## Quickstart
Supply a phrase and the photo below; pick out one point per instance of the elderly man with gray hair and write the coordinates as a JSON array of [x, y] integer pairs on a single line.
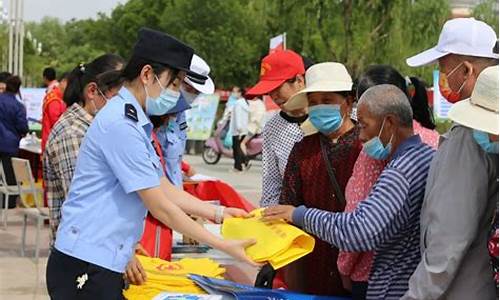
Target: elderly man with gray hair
[[388, 221]]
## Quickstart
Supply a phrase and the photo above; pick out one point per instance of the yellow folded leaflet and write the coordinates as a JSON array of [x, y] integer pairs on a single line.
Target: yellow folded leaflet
[[171, 276], [278, 242]]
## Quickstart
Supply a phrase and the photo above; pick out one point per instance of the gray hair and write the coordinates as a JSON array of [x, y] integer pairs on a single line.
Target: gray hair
[[384, 99]]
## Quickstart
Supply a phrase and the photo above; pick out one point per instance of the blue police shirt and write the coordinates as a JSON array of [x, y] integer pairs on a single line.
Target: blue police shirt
[[103, 215], [182, 123], [173, 143]]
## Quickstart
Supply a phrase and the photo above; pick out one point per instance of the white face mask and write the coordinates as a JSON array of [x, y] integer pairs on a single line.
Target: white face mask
[[163, 103], [102, 95], [96, 110]]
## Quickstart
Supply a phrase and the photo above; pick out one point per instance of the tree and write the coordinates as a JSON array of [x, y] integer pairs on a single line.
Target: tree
[[233, 35], [226, 34], [126, 19], [359, 33], [64, 46], [487, 11]]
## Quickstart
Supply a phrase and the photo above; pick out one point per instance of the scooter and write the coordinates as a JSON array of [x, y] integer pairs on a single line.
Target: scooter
[[214, 147]]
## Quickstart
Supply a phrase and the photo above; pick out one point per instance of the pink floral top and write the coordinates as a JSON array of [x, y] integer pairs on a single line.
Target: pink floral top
[[357, 265], [428, 136]]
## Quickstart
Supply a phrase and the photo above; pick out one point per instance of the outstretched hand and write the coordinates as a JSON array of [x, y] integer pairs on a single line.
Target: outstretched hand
[[278, 212]]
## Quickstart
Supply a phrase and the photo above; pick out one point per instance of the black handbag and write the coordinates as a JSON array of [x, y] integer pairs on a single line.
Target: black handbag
[[265, 277]]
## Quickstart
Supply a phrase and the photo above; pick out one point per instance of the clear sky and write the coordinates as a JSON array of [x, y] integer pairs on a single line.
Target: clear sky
[[35, 10]]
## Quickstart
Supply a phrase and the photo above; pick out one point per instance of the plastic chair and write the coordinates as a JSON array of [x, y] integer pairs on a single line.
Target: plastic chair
[[7, 191], [23, 173]]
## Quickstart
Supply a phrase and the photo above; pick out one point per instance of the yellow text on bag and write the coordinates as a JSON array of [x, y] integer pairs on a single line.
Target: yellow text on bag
[[278, 242]]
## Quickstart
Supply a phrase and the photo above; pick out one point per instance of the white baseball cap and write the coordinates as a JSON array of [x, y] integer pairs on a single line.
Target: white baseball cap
[[322, 77], [463, 36], [481, 110], [199, 66]]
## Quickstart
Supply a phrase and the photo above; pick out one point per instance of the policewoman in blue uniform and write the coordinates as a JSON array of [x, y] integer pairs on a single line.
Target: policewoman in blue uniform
[[118, 178], [173, 135]]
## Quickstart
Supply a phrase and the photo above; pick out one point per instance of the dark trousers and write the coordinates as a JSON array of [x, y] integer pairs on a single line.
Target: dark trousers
[[359, 289], [9, 177], [63, 272], [239, 157]]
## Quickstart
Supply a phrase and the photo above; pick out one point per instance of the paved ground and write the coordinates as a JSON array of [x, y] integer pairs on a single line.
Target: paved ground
[[23, 279]]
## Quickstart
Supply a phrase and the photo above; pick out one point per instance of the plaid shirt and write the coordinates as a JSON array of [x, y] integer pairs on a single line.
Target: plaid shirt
[[59, 159]]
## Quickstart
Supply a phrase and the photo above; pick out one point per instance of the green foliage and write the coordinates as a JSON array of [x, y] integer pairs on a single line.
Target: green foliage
[[223, 32], [233, 35], [442, 126], [487, 11]]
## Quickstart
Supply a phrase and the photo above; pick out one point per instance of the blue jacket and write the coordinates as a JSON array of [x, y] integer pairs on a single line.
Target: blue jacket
[[13, 123]]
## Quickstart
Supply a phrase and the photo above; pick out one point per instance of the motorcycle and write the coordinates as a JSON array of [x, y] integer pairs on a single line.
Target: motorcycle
[[214, 147]]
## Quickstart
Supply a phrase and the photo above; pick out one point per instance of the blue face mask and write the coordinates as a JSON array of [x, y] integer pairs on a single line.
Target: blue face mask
[[190, 97], [483, 140], [375, 149], [231, 100], [162, 104], [327, 118]]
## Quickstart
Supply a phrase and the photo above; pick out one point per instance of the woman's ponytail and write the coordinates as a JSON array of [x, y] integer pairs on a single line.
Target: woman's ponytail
[[422, 113]]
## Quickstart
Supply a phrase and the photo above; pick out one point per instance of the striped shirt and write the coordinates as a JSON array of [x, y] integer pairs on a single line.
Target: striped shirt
[[59, 159], [387, 222]]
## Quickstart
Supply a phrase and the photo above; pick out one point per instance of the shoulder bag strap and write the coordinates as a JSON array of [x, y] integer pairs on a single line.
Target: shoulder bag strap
[[339, 195]]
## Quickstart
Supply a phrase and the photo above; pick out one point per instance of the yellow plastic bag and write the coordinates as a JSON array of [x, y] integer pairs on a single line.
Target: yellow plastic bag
[[158, 267], [278, 242], [168, 276]]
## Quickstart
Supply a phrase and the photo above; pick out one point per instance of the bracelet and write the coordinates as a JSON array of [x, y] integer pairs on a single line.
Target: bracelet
[[219, 214]]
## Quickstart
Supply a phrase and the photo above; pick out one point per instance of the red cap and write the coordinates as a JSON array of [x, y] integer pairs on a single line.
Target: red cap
[[276, 68]]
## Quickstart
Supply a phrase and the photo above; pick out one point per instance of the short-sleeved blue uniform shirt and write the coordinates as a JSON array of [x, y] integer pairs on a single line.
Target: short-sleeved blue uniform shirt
[[172, 137], [103, 216]]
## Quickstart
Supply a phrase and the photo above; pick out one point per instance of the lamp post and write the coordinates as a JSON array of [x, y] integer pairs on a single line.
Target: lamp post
[[21, 38], [4, 17], [16, 37]]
